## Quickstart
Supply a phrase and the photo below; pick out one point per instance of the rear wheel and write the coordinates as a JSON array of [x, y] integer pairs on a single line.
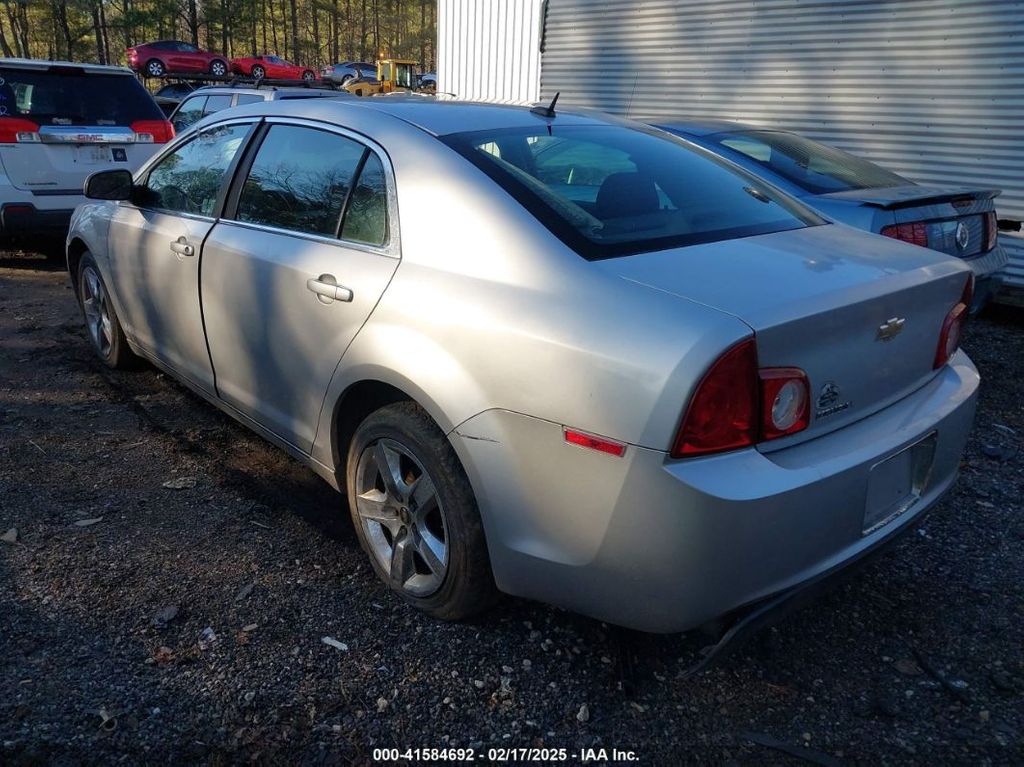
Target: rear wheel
[[218, 68], [415, 513], [155, 68], [309, 76], [258, 72], [101, 321]]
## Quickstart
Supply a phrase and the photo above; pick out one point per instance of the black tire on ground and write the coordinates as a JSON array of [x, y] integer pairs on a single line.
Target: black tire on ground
[[468, 584], [218, 68], [155, 68], [112, 346], [258, 72]]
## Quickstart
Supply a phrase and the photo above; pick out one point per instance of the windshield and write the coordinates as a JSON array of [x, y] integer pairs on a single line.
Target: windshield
[[611, 190], [818, 168], [69, 96]]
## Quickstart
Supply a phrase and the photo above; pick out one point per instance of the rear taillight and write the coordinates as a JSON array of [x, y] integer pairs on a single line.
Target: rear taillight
[[722, 414], [991, 230], [737, 405], [152, 131], [785, 402], [953, 326], [915, 233], [14, 130]]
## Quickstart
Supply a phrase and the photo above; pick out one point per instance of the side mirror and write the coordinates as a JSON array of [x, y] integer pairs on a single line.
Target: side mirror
[[109, 185]]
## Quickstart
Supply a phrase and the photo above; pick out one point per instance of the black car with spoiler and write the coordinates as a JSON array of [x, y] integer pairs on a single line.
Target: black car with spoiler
[[958, 221]]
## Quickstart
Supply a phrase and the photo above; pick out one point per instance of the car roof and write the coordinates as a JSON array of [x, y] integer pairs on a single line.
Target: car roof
[[39, 64], [273, 91], [700, 126], [441, 117]]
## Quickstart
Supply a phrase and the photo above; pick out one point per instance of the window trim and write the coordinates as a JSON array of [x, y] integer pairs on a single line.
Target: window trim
[[391, 246]]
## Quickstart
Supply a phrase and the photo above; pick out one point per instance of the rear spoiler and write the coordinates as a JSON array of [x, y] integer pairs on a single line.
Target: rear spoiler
[[928, 198]]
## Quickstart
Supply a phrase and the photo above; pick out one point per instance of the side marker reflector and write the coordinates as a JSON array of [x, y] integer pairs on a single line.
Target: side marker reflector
[[594, 442]]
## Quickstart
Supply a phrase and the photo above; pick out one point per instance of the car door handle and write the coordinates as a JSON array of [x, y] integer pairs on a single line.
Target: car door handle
[[182, 248], [327, 289]]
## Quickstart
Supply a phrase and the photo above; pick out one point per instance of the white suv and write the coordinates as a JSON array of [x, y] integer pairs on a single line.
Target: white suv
[[60, 122]]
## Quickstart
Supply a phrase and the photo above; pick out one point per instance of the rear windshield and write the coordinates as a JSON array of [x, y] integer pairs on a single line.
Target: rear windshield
[[818, 168], [69, 96], [612, 190]]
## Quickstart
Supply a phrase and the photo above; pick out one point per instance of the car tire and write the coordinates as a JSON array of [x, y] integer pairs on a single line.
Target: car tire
[[258, 72], [308, 76], [421, 529], [155, 68], [101, 322], [218, 68], [346, 80]]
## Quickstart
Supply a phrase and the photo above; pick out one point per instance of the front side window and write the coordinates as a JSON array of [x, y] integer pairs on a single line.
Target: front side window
[[300, 180], [612, 190], [188, 180], [189, 112], [815, 167]]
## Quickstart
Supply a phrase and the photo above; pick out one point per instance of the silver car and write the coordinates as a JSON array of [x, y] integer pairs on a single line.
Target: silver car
[[619, 374]]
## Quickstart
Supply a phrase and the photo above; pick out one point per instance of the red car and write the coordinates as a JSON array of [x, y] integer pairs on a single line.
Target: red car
[[271, 66], [163, 56]]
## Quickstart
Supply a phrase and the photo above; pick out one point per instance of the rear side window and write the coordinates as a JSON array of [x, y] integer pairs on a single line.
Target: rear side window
[[71, 96], [300, 180], [247, 98], [815, 167], [215, 104], [188, 180], [610, 190], [189, 113], [366, 218]]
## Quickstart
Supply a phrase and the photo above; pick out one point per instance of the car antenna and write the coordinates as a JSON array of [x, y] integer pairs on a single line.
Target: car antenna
[[549, 110]]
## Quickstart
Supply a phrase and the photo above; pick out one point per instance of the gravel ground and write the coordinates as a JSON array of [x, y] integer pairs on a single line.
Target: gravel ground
[[174, 576]]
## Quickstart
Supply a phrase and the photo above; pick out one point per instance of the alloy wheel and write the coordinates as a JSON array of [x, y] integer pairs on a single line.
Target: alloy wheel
[[403, 518], [97, 313], [258, 72], [155, 68], [218, 68]]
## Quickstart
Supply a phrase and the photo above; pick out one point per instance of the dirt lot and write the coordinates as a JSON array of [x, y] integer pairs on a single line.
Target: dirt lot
[[173, 578]]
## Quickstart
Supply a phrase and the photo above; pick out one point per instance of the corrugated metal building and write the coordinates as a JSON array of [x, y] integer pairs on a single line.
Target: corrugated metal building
[[933, 89]]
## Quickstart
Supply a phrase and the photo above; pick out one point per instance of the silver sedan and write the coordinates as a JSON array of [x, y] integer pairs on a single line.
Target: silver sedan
[[550, 354]]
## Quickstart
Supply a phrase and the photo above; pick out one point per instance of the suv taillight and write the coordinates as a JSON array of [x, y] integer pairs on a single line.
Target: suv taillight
[[991, 230], [152, 131], [915, 233], [953, 326], [737, 405], [14, 130]]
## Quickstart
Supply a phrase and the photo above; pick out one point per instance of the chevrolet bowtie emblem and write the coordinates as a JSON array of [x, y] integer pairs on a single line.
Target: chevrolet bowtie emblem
[[891, 328]]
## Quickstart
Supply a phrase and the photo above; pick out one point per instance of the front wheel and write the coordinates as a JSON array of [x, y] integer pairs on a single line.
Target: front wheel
[[258, 72], [415, 514], [309, 76], [218, 68], [101, 321]]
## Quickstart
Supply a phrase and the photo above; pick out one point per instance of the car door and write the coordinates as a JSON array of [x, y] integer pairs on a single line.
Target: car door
[[154, 243], [306, 246]]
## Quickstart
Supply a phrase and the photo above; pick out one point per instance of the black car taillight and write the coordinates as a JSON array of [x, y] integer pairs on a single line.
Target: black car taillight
[[915, 233], [991, 230]]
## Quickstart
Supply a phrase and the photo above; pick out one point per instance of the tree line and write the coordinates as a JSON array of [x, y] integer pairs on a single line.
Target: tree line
[[308, 32]]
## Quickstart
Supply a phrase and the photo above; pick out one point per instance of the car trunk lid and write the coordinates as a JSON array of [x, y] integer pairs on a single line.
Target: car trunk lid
[[956, 220], [63, 123], [860, 314]]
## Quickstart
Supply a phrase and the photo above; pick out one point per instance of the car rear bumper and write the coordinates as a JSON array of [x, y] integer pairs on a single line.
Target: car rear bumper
[[664, 545], [20, 221]]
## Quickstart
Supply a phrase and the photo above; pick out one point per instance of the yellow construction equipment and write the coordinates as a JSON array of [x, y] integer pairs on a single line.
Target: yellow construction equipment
[[392, 75]]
